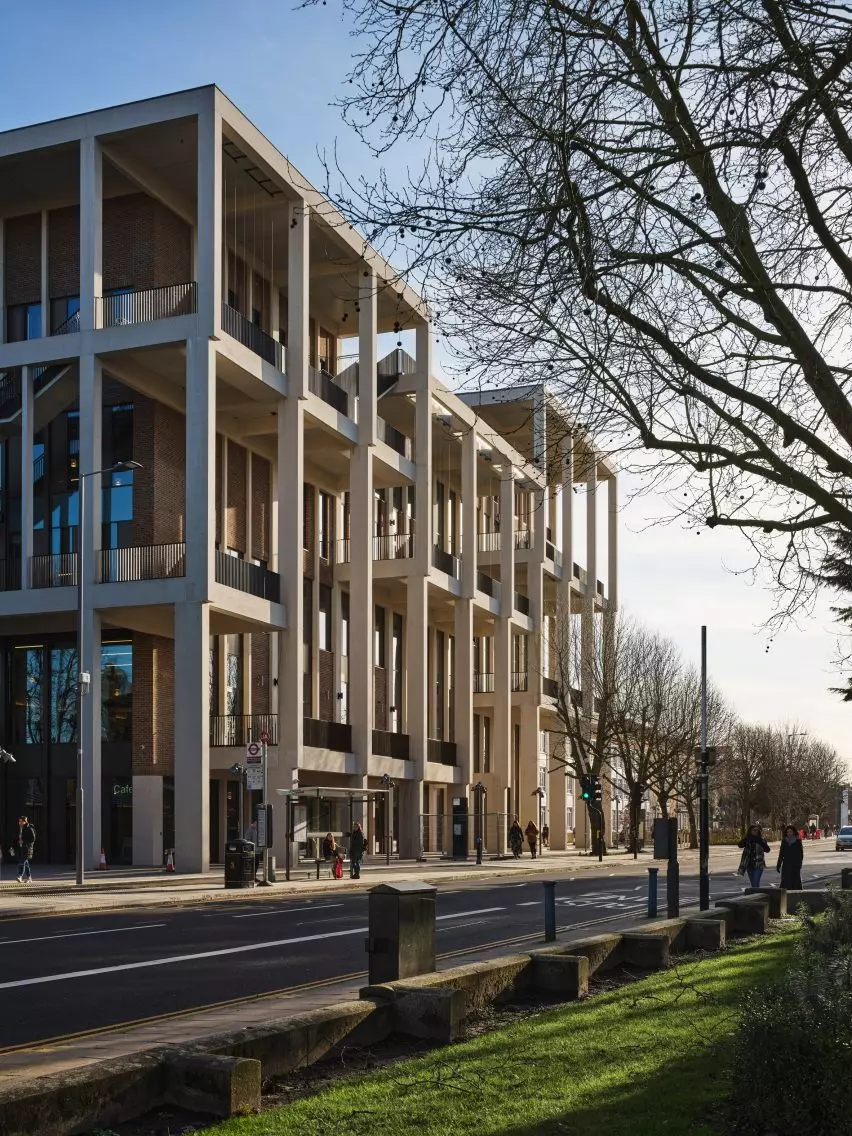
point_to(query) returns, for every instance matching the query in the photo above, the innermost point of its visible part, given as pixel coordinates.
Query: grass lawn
(646, 1059)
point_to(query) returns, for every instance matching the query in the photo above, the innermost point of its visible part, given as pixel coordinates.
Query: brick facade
(326, 686)
(22, 249)
(63, 245)
(145, 245)
(260, 696)
(159, 495)
(235, 523)
(260, 508)
(153, 705)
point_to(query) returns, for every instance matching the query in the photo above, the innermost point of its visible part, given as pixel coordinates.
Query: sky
(283, 66)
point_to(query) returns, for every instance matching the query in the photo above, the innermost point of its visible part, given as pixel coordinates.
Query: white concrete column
(208, 232)
(540, 429)
(27, 430)
(557, 800)
(192, 737)
(567, 524)
(91, 735)
(612, 543)
(201, 468)
(147, 822)
(431, 662)
(313, 614)
(291, 482)
(2, 283)
(91, 459)
(467, 506)
(368, 358)
(507, 541)
(91, 231)
(423, 455)
(528, 763)
(44, 294)
(337, 647)
(298, 291)
(417, 723)
(361, 608)
(587, 619)
(463, 698)
(274, 317)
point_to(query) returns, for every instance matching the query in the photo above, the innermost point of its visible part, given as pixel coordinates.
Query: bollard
(652, 892)
(549, 911)
(479, 849)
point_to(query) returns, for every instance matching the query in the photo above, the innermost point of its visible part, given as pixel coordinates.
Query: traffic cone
(102, 865)
(170, 862)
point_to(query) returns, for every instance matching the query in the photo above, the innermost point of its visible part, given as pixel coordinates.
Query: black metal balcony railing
(523, 538)
(575, 569)
(324, 387)
(394, 438)
(10, 392)
(246, 577)
(38, 469)
(522, 603)
(69, 325)
(386, 743)
(549, 550)
(520, 681)
(444, 753)
(56, 570)
(327, 735)
(483, 682)
(240, 729)
(141, 562)
(550, 687)
(488, 542)
(600, 588)
(488, 584)
(396, 546)
(10, 575)
(241, 328)
(446, 562)
(145, 305)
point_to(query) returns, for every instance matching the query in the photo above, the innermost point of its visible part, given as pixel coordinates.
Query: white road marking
(463, 914)
(80, 934)
(287, 910)
(529, 903)
(457, 926)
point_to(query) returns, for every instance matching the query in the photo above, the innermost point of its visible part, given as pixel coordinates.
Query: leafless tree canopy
(647, 204)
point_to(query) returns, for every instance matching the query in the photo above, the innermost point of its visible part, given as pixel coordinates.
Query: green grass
(646, 1059)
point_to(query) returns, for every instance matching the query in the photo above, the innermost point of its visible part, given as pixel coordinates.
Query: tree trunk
(598, 844)
(693, 825)
(635, 806)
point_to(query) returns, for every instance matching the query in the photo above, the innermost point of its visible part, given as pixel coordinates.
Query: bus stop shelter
(362, 799)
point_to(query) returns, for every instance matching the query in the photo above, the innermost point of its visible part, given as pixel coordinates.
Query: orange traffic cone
(170, 863)
(102, 865)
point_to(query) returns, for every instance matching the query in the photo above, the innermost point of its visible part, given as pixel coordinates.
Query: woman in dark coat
(357, 847)
(790, 856)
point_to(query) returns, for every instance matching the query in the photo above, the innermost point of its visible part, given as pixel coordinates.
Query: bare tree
(647, 204)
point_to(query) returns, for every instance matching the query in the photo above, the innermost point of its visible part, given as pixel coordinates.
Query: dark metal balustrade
(386, 743)
(327, 735)
(141, 562)
(444, 753)
(145, 305)
(246, 577)
(240, 729)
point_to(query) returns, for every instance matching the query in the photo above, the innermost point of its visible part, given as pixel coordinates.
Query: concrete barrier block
(557, 973)
(750, 913)
(219, 1086)
(602, 951)
(673, 929)
(777, 898)
(646, 951)
(706, 934)
(846, 878)
(814, 901)
(436, 1012)
(481, 982)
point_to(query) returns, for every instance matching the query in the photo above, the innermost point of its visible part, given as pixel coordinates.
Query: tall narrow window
(397, 651)
(477, 744)
(379, 639)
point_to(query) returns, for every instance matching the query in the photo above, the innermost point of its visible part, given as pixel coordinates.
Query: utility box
(665, 838)
(401, 941)
(459, 828)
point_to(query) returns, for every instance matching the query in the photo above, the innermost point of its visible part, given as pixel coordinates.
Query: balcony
(145, 305)
(240, 729)
(522, 603)
(550, 687)
(69, 325)
(483, 682)
(488, 542)
(247, 577)
(488, 584)
(386, 743)
(323, 386)
(446, 562)
(523, 538)
(441, 752)
(56, 570)
(141, 562)
(520, 682)
(236, 325)
(394, 438)
(10, 575)
(392, 546)
(327, 735)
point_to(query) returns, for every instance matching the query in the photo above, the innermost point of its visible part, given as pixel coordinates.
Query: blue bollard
(652, 892)
(549, 911)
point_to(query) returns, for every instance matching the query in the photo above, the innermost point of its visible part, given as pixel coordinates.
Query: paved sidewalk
(54, 892)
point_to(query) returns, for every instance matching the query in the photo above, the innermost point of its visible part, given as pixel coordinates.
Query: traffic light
(586, 784)
(597, 791)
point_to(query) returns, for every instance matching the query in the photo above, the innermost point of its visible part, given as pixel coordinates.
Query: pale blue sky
(283, 67)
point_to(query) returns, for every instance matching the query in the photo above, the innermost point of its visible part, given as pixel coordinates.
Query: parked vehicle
(843, 840)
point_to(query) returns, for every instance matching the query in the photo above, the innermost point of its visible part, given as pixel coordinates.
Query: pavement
(87, 986)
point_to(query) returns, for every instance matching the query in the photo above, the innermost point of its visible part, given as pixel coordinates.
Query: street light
(5, 759)
(84, 678)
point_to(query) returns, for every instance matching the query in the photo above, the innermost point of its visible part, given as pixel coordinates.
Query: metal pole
(704, 802)
(653, 873)
(549, 911)
(288, 835)
(81, 514)
(673, 872)
(389, 811)
(265, 875)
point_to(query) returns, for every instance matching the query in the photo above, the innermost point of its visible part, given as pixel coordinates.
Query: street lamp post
(5, 759)
(84, 678)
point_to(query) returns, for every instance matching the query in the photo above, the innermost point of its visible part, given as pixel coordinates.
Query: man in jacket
(357, 846)
(26, 845)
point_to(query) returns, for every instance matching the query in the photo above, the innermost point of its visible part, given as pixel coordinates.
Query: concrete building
(318, 542)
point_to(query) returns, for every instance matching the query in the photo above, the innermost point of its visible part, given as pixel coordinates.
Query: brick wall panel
(153, 705)
(326, 686)
(145, 245)
(260, 508)
(260, 672)
(218, 490)
(22, 249)
(63, 237)
(235, 535)
(169, 476)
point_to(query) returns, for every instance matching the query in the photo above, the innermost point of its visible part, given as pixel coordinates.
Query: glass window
(233, 675)
(63, 694)
(27, 693)
(486, 745)
(477, 744)
(33, 321)
(324, 617)
(116, 691)
(379, 638)
(344, 623)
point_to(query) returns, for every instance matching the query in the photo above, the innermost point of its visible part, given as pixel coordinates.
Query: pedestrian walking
(516, 838)
(26, 846)
(531, 832)
(753, 859)
(545, 836)
(357, 847)
(790, 856)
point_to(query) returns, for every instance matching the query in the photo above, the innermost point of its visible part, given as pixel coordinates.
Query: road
(64, 975)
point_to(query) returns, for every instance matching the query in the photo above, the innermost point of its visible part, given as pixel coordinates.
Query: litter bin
(239, 864)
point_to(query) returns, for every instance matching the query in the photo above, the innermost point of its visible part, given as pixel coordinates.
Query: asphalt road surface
(65, 975)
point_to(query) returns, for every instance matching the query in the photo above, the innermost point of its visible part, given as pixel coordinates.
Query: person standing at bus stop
(357, 847)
